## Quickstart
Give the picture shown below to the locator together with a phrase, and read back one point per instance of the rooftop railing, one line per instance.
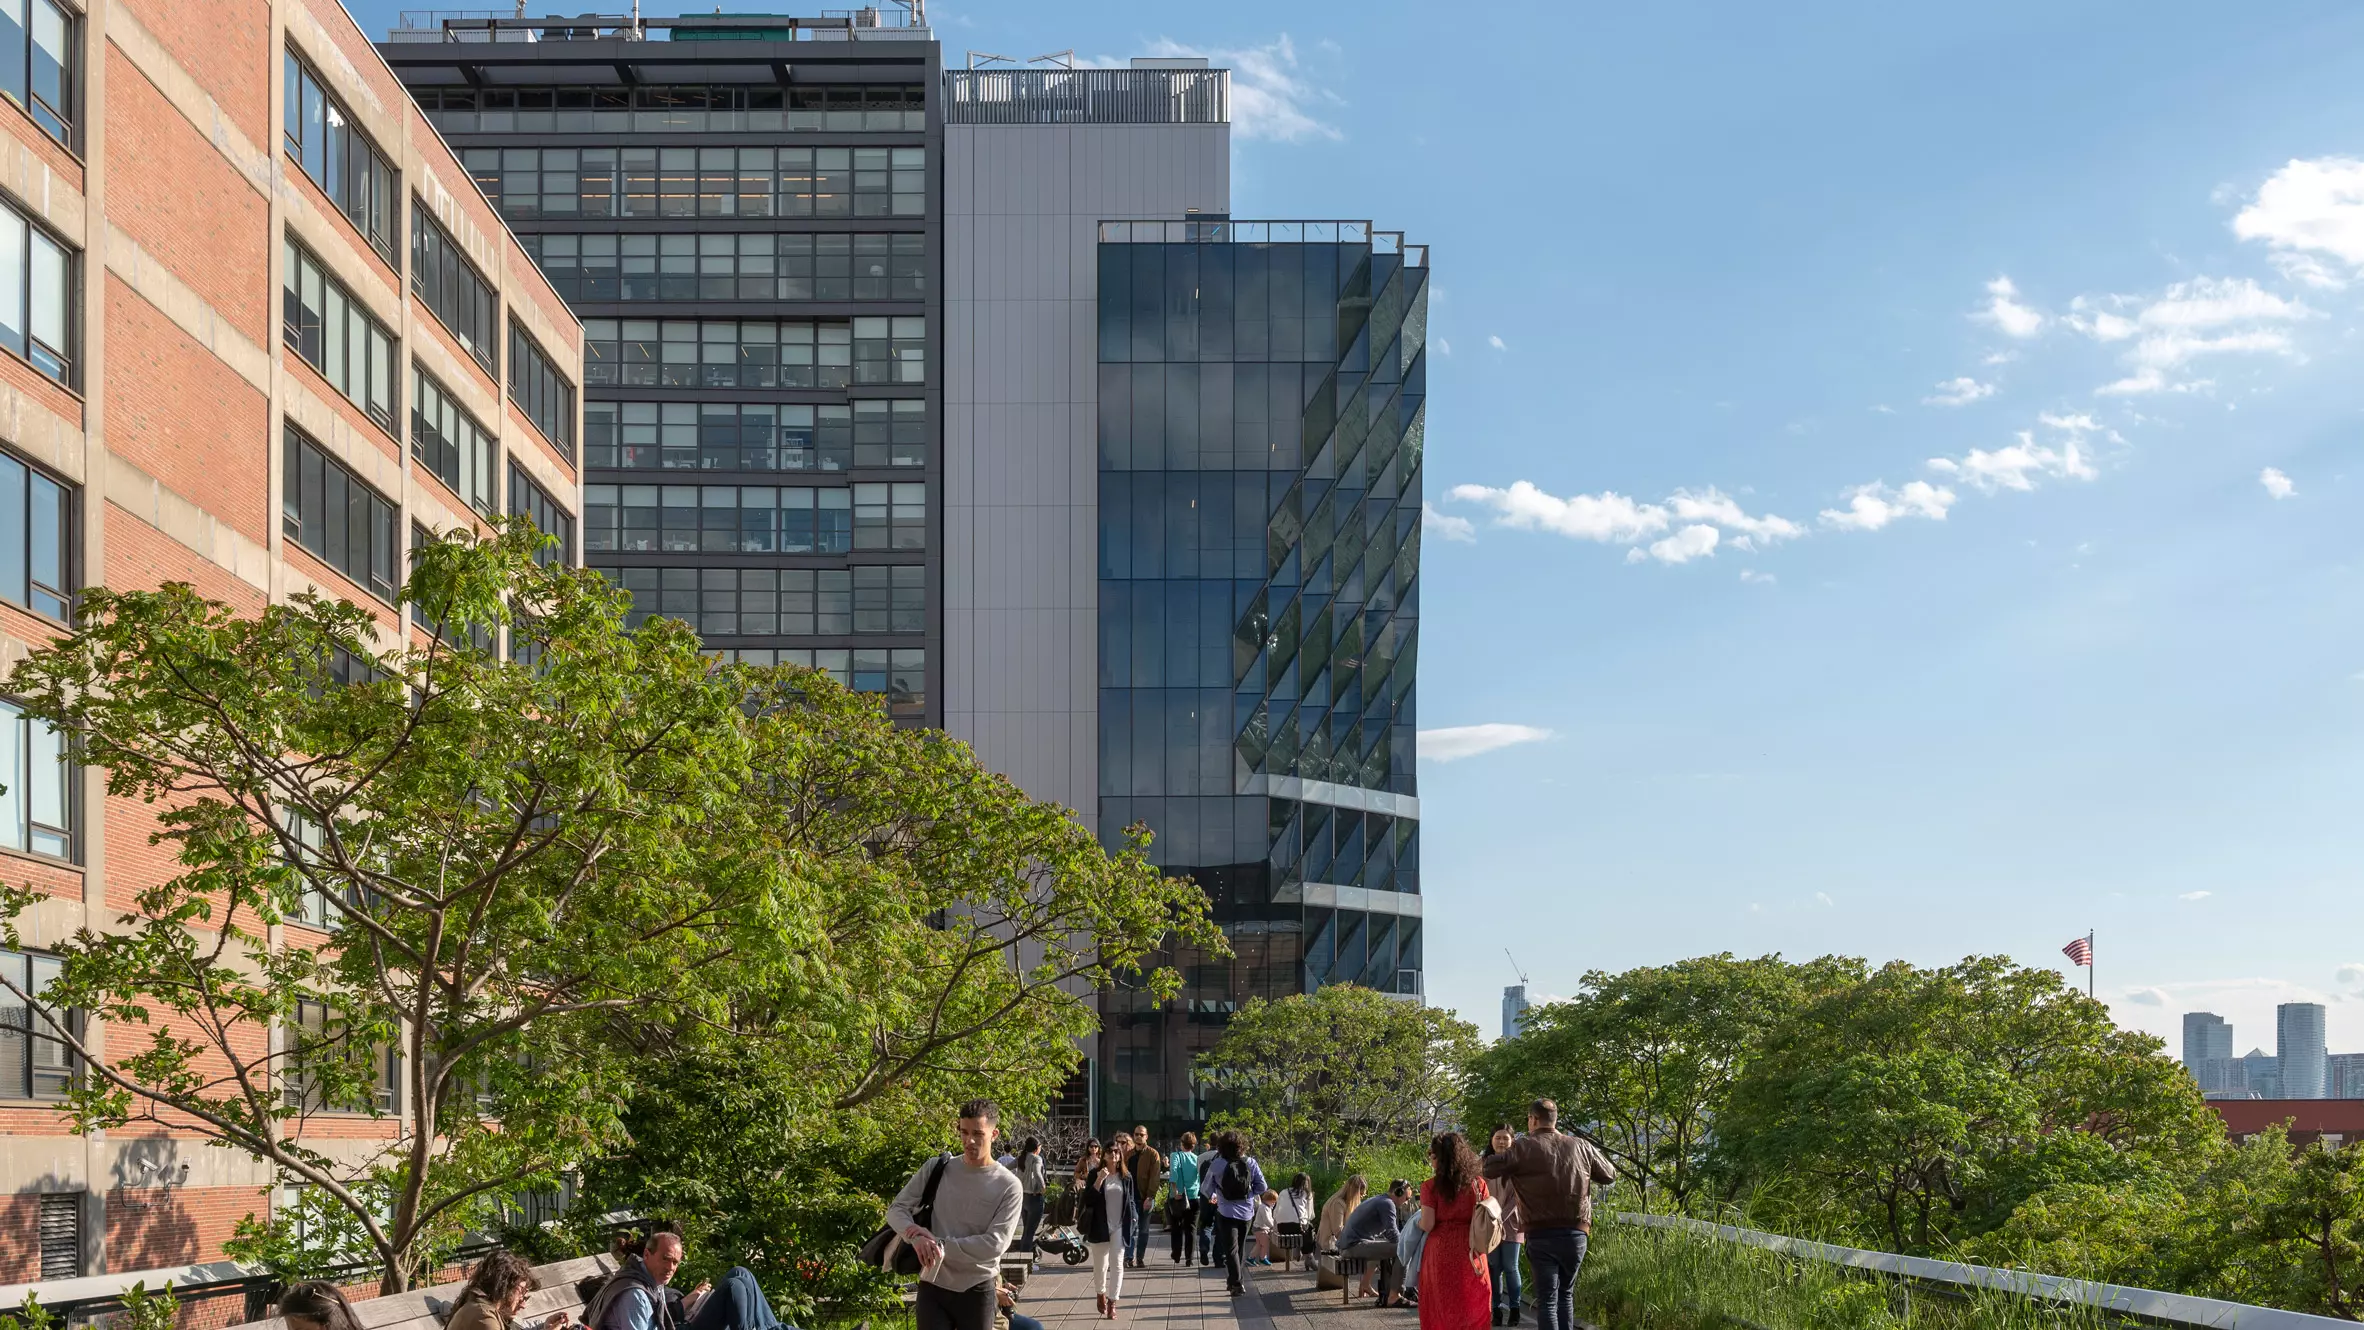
(1227, 232)
(1087, 96)
(493, 25)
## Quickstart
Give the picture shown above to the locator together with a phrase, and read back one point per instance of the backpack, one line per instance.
(1234, 1182)
(1485, 1226)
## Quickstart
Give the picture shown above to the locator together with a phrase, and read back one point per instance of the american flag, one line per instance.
(2079, 952)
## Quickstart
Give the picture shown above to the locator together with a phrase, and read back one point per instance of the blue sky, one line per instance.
(1897, 473)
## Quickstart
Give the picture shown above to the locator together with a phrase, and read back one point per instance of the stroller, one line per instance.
(1066, 1244)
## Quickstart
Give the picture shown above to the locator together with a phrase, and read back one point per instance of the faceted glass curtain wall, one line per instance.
(1260, 445)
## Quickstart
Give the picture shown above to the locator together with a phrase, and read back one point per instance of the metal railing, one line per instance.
(1087, 96)
(1190, 231)
(493, 25)
(2175, 1309)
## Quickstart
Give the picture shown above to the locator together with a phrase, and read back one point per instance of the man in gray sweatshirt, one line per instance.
(975, 1221)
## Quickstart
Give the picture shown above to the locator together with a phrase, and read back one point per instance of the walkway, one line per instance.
(1170, 1297)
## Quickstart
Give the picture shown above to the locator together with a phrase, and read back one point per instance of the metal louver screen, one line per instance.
(61, 1236)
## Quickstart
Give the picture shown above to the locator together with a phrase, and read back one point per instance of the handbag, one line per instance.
(886, 1250)
(1485, 1226)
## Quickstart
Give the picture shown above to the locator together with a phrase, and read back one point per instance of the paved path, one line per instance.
(1166, 1296)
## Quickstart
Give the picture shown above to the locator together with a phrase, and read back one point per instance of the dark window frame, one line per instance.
(545, 396)
(22, 1078)
(333, 164)
(22, 68)
(37, 580)
(309, 472)
(46, 339)
(527, 498)
(448, 457)
(307, 332)
(454, 289)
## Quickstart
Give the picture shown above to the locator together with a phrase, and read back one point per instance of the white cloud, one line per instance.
(1714, 506)
(2205, 316)
(1455, 742)
(2149, 997)
(1607, 516)
(1496, 343)
(2006, 313)
(2012, 468)
(2194, 895)
(2307, 210)
(1444, 346)
(1959, 392)
(1271, 96)
(2351, 974)
(1882, 408)
(2276, 483)
(1823, 899)
(1445, 526)
(1697, 541)
(1751, 575)
(1999, 357)
(1870, 507)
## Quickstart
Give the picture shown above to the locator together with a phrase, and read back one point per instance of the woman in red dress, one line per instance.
(1455, 1292)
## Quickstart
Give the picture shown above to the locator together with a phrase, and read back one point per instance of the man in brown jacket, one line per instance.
(1149, 1174)
(1554, 1174)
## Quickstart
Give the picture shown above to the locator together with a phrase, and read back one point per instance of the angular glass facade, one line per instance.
(1261, 390)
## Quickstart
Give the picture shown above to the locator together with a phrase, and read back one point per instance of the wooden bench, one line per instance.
(429, 1308)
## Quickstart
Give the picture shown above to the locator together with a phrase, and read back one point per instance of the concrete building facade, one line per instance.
(257, 328)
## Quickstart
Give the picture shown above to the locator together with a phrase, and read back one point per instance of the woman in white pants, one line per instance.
(1109, 1191)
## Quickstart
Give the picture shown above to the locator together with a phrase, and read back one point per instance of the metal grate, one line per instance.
(1087, 96)
(61, 1235)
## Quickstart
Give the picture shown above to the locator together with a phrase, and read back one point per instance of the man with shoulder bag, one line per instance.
(959, 1215)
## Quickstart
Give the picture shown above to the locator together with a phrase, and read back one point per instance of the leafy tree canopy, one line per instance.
(1313, 1076)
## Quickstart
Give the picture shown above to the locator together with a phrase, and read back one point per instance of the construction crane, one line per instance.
(1514, 966)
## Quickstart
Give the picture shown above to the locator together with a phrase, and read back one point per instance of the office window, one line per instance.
(891, 599)
(901, 673)
(891, 517)
(449, 285)
(537, 387)
(449, 442)
(662, 108)
(891, 350)
(36, 763)
(533, 501)
(745, 602)
(743, 266)
(33, 1063)
(536, 183)
(321, 136)
(36, 294)
(315, 1037)
(38, 39)
(335, 334)
(733, 519)
(36, 539)
(329, 511)
(891, 433)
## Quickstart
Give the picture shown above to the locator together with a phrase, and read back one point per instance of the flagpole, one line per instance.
(2091, 960)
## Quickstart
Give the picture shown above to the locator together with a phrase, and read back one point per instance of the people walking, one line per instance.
(1027, 1164)
(1260, 1226)
(1370, 1236)
(1234, 1179)
(1182, 1202)
(1207, 1218)
(1503, 1262)
(1555, 1174)
(1103, 1206)
(1292, 1218)
(1456, 1292)
(1149, 1175)
(970, 1227)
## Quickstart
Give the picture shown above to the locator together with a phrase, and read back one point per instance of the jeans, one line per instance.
(1021, 1321)
(1503, 1262)
(1206, 1231)
(941, 1308)
(737, 1303)
(1409, 1244)
(1138, 1249)
(1185, 1228)
(1379, 1251)
(1029, 1218)
(1556, 1254)
(1232, 1235)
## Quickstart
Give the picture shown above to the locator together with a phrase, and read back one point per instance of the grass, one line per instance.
(1637, 1278)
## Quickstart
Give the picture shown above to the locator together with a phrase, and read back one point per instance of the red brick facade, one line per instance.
(175, 194)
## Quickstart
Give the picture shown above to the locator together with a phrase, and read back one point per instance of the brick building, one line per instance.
(260, 327)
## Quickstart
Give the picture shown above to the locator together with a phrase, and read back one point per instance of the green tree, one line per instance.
(1931, 1103)
(1314, 1076)
(1645, 1058)
(537, 865)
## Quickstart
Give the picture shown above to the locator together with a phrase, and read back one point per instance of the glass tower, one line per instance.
(1261, 390)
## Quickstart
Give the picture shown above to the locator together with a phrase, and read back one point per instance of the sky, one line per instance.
(1896, 475)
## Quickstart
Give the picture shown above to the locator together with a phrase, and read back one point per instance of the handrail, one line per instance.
(2177, 1309)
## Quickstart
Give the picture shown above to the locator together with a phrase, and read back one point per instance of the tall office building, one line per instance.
(743, 213)
(259, 331)
(2208, 1049)
(2299, 1050)
(1514, 1010)
(2261, 1075)
(2346, 1075)
(1183, 515)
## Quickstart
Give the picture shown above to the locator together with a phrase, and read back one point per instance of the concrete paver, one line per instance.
(1169, 1297)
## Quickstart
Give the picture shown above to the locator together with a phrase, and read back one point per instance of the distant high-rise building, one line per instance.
(2299, 1050)
(2205, 1035)
(1514, 1009)
(2347, 1075)
(2261, 1074)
